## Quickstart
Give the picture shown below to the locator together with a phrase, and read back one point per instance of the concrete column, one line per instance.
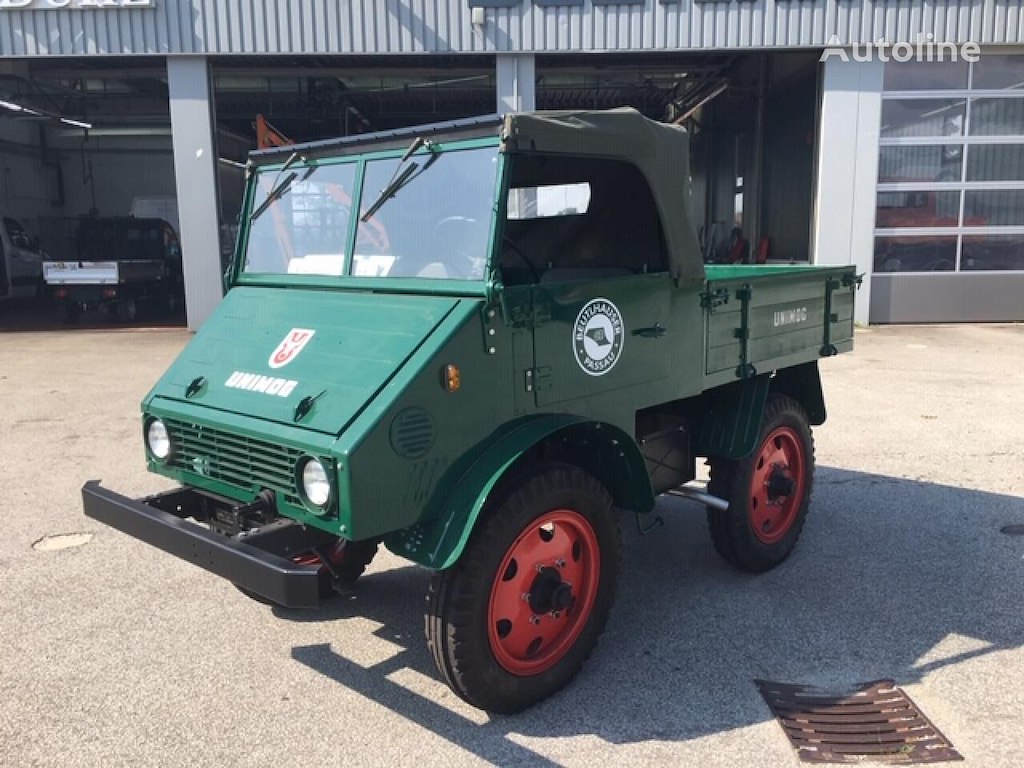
(195, 173)
(847, 164)
(515, 82)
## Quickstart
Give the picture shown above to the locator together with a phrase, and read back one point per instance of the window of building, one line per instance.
(951, 167)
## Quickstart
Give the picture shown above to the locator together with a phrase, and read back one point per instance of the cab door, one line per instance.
(593, 336)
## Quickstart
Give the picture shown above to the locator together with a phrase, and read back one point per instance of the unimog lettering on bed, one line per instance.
(481, 343)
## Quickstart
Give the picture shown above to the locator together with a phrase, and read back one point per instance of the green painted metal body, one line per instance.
(415, 463)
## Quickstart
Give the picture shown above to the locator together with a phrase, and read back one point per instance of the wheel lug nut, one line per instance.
(556, 614)
(526, 597)
(560, 563)
(535, 620)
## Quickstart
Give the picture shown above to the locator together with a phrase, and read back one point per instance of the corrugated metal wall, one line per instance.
(412, 26)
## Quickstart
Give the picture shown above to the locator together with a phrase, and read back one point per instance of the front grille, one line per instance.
(242, 462)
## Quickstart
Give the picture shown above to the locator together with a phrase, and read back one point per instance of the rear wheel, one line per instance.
(515, 618)
(69, 312)
(126, 310)
(769, 492)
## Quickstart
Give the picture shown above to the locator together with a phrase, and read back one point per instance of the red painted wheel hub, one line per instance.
(336, 554)
(543, 592)
(777, 485)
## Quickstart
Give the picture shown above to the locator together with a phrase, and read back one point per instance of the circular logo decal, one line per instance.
(597, 337)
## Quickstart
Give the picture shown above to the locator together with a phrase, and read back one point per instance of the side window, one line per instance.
(548, 201)
(579, 218)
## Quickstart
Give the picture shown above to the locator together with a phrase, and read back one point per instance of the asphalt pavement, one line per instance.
(113, 653)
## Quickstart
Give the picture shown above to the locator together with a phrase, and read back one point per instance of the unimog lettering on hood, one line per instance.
(267, 385)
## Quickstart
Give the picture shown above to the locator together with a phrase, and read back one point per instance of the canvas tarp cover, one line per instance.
(660, 151)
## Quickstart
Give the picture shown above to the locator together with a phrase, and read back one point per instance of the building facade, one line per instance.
(809, 144)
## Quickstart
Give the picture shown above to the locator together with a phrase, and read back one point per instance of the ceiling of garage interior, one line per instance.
(317, 97)
(107, 93)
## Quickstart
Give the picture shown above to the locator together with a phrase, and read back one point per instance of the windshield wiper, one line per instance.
(278, 190)
(399, 180)
(274, 196)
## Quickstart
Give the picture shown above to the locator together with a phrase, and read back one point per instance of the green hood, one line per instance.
(256, 357)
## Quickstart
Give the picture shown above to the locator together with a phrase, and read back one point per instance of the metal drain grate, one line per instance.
(878, 721)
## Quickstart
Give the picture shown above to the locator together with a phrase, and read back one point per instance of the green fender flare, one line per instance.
(611, 455)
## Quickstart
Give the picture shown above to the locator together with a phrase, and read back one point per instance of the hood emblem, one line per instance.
(290, 347)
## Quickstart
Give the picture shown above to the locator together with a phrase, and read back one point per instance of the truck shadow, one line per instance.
(886, 572)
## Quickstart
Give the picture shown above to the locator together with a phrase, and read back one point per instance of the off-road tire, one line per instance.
(460, 598)
(732, 531)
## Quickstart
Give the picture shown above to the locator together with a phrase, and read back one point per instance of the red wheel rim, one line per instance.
(336, 554)
(543, 592)
(777, 485)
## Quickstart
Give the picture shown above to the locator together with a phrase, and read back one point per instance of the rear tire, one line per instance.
(769, 491)
(69, 312)
(126, 310)
(513, 621)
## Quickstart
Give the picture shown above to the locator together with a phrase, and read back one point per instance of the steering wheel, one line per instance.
(463, 265)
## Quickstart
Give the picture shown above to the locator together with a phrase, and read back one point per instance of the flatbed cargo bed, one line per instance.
(760, 318)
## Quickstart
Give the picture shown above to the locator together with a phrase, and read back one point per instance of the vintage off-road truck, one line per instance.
(482, 343)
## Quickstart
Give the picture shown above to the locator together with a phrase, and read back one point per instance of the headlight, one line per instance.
(315, 483)
(158, 440)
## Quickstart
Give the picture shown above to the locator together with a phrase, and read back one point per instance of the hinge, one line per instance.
(541, 312)
(538, 378)
(490, 329)
(745, 370)
(715, 298)
(827, 347)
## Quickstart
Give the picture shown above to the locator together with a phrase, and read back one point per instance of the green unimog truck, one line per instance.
(482, 344)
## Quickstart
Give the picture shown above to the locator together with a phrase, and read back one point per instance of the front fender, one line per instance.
(604, 450)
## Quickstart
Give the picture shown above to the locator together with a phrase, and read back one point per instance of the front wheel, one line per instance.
(515, 618)
(768, 492)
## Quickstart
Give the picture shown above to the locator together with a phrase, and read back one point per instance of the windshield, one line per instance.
(434, 224)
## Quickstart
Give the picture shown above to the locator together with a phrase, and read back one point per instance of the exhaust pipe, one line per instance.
(700, 494)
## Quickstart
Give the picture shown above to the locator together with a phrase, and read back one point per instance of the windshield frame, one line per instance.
(475, 287)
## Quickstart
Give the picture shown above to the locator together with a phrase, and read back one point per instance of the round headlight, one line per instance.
(158, 440)
(315, 483)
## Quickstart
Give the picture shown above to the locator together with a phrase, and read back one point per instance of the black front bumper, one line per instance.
(259, 562)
